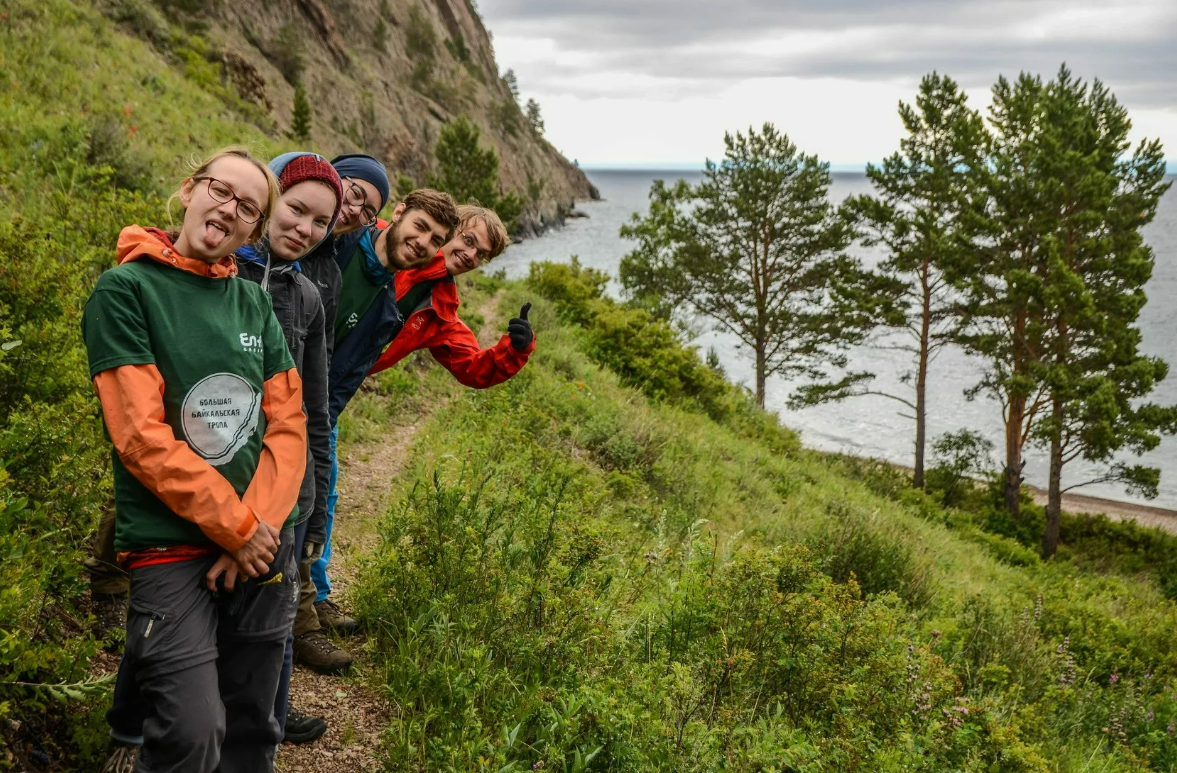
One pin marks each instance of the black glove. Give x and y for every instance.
(519, 329)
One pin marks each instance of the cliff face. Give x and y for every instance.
(383, 76)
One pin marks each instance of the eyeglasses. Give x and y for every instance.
(356, 197)
(247, 211)
(479, 254)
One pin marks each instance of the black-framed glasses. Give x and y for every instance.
(247, 211)
(480, 254)
(356, 197)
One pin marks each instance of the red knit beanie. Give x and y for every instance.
(313, 167)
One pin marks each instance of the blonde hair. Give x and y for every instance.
(198, 169)
(496, 232)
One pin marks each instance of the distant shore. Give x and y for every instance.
(1080, 504)
(1145, 515)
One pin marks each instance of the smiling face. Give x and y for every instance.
(352, 215)
(469, 248)
(300, 219)
(412, 240)
(212, 228)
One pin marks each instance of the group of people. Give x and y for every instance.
(223, 353)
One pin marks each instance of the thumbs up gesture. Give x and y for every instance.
(519, 329)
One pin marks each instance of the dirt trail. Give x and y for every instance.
(356, 713)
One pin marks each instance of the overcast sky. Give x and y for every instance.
(658, 82)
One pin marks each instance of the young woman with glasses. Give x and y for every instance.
(203, 405)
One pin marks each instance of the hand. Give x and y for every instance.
(312, 552)
(519, 329)
(254, 557)
(226, 565)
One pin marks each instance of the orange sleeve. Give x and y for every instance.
(273, 492)
(132, 407)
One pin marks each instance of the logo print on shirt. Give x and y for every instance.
(219, 416)
(251, 343)
(353, 319)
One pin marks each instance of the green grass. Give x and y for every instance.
(577, 576)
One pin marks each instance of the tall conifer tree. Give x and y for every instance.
(916, 215)
(1002, 319)
(1095, 267)
(758, 249)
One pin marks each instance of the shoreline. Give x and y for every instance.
(1083, 504)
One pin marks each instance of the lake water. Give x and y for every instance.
(871, 426)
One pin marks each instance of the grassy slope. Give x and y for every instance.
(541, 619)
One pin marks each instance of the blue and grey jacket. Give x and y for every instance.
(355, 355)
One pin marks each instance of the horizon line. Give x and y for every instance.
(683, 166)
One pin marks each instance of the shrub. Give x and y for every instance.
(960, 458)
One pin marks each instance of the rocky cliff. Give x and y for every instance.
(382, 77)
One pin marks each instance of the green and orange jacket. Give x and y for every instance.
(200, 398)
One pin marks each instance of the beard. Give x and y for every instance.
(393, 244)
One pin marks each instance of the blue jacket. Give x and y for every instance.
(355, 355)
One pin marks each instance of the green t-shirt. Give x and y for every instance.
(356, 295)
(215, 342)
(418, 297)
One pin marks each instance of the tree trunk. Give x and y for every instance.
(761, 369)
(1013, 456)
(1013, 425)
(921, 381)
(1054, 500)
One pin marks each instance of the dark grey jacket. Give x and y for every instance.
(300, 312)
(320, 266)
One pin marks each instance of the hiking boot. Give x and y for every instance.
(302, 729)
(110, 614)
(315, 651)
(121, 760)
(331, 616)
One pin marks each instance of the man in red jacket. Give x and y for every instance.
(428, 301)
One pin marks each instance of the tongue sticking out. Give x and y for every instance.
(214, 234)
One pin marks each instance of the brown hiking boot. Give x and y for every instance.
(110, 615)
(331, 616)
(315, 651)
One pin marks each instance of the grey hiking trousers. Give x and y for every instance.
(207, 665)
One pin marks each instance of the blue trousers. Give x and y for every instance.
(319, 567)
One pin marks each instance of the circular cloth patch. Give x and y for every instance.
(220, 415)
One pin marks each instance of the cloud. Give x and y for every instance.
(619, 47)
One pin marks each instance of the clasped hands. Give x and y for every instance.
(252, 559)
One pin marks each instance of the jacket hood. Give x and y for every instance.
(138, 243)
(445, 293)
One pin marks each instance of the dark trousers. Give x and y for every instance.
(282, 702)
(201, 670)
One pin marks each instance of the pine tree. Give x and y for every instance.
(1002, 317)
(300, 124)
(512, 83)
(533, 117)
(470, 173)
(916, 215)
(1095, 265)
(758, 248)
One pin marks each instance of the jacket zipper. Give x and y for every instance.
(151, 623)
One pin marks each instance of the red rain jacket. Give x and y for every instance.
(451, 343)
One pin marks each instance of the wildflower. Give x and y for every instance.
(1150, 716)
(1170, 729)
(1113, 679)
